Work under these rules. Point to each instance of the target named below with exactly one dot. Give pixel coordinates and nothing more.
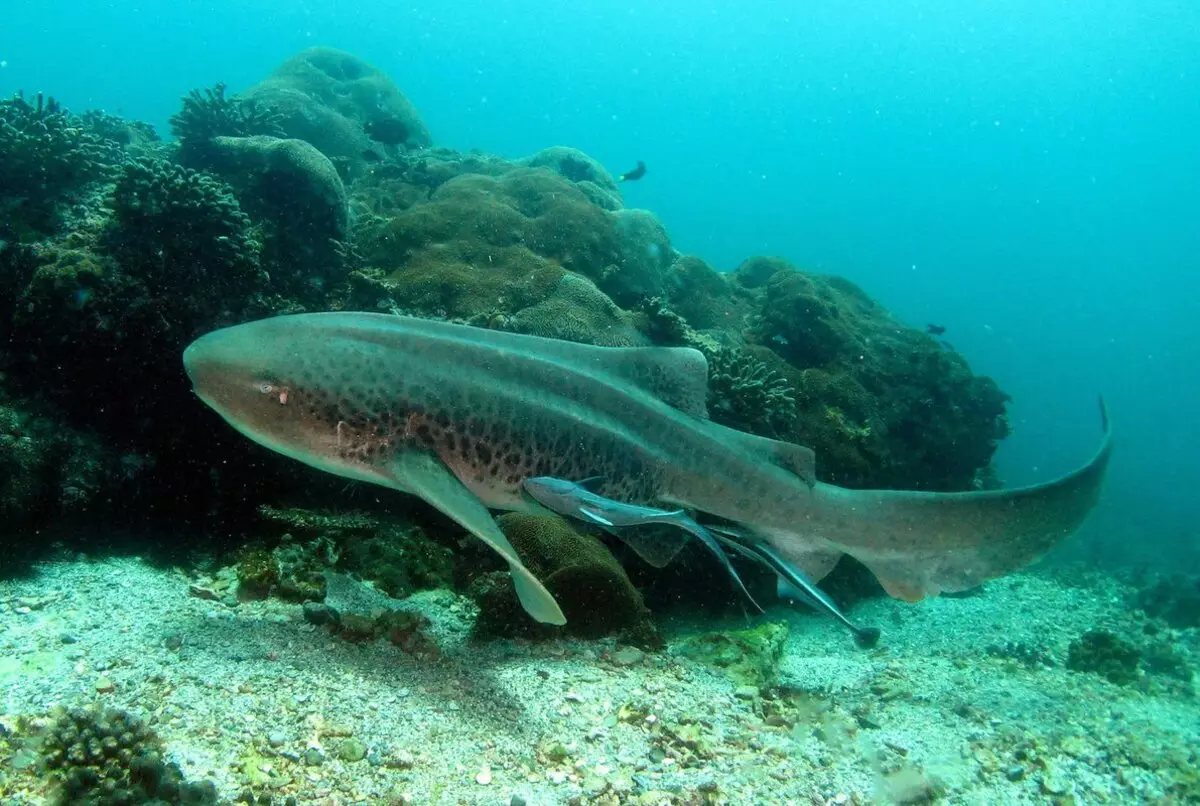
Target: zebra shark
(461, 416)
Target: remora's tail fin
(922, 544)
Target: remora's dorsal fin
(425, 476)
(793, 458)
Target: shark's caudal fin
(922, 544)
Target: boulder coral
(590, 585)
(294, 189)
(327, 97)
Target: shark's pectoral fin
(427, 477)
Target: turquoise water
(1023, 173)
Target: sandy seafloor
(928, 716)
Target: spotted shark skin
(460, 416)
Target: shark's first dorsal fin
(678, 376)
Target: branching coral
(46, 155)
(209, 114)
(743, 393)
(182, 232)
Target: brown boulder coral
(590, 585)
(331, 99)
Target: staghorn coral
(209, 114)
(47, 157)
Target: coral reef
(47, 157)
(326, 193)
(297, 194)
(111, 757)
(591, 587)
(209, 114)
(330, 98)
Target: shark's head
(278, 384)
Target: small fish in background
(389, 131)
(935, 330)
(634, 175)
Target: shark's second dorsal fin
(678, 376)
(793, 458)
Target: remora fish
(575, 500)
(460, 416)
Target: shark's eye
(266, 388)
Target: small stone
(319, 614)
(594, 785)
(516, 800)
(485, 776)
(746, 692)
(173, 641)
(401, 760)
(276, 739)
(351, 750)
(67, 638)
(313, 757)
(627, 656)
(105, 686)
(1015, 773)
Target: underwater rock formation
(333, 100)
(883, 404)
(590, 585)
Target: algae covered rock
(881, 403)
(1103, 653)
(748, 657)
(335, 101)
(585, 172)
(590, 585)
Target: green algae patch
(748, 657)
